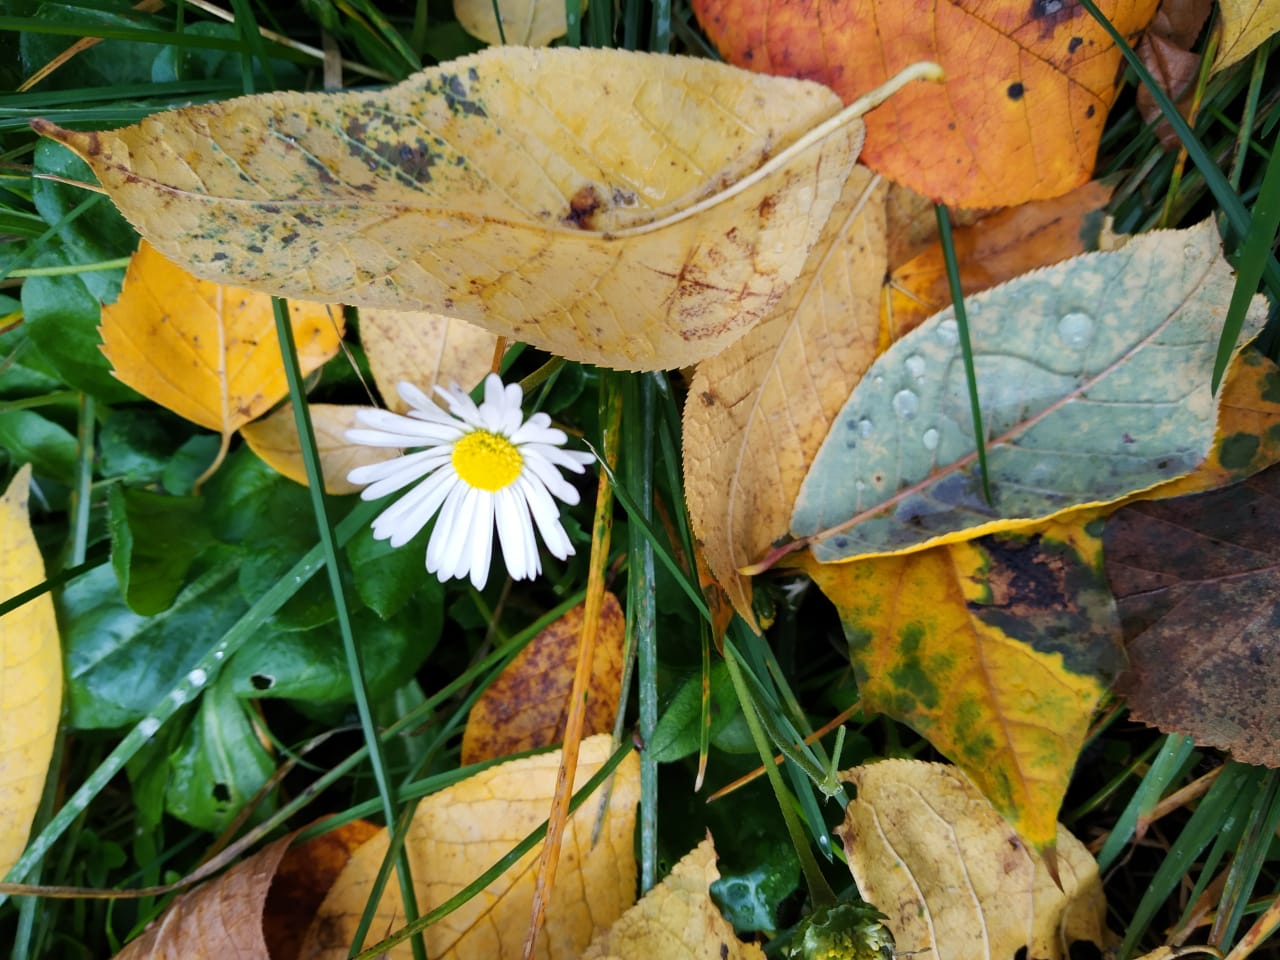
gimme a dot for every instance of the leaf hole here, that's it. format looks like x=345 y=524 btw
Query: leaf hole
x=261 y=681
x=221 y=793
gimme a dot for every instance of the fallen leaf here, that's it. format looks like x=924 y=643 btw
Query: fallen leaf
x=952 y=877
x=628 y=209
x=1093 y=379
x=1174 y=66
x=1019 y=116
x=220 y=918
x=525 y=23
x=758 y=412
x=992 y=250
x=207 y=352
x=526 y=706
x=424 y=349
x=996 y=650
x=460 y=831
x=676 y=920
x=301 y=882
x=1205 y=567
x=275 y=440
x=1244 y=25
x=31 y=686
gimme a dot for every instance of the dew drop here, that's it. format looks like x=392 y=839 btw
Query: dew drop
x=859 y=486
x=148 y=726
x=217 y=654
x=878 y=378
x=178 y=695
x=865 y=427
x=197 y=677
x=948 y=332
x=1076 y=329
x=930 y=439
x=915 y=366
x=905 y=404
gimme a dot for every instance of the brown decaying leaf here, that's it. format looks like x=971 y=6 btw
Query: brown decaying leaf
x=301 y=882
x=207 y=352
x=953 y=878
x=423 y=349
x=1166 y=51
x=676 y=920
x=611 y=207
x=462 y=830
x=992 y=250
x=526 y=706
x=275 y=440
x=1019 y=117
x=1197 y=579
x=219 y=919
x=758 y=412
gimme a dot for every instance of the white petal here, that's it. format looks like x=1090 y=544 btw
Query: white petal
x=454 y=555
x=549 y=477
x=546 y=516
x=462 y=406
x=422 y=405
x=574 y=460
x=481 y=539
x=402 y=521
x=534 y=431
x=387 y=476
x=443 y=531
x=512 y=517
x=395 y=425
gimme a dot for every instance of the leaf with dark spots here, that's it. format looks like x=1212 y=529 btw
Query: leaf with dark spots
x=1197 y=579
x=559 y=197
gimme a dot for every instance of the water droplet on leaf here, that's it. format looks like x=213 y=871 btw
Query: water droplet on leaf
x=905 y=404
x=865 y=427
x=949 y=332
x=930 y=439
x=915 y=366
x=1076 y=329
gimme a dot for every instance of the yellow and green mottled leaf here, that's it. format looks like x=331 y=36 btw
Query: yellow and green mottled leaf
x=1093 y=378
x=996 y=650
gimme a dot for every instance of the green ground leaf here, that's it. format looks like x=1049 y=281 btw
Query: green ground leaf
x=387 y=577
x=1093 y=377
x=154 y=541
x=48 y=447
x=677 y=733
x=119 y=664
x=100 y=233
x=219 y=765
x=137 y=445
x=310 y=665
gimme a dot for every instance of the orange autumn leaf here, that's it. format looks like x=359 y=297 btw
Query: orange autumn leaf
x=526 y=706
x=1021 y=112
x=424 y=349
x=207 y=352
x=996 y=248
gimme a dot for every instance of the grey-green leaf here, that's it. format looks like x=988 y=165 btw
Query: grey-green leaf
x=1093 y=377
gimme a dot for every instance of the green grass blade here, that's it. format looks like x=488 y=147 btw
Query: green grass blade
x=328 y=544
x=1164 y=770
x=966 y=345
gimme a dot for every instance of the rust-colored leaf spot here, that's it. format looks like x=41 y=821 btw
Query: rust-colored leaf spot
x=1019 y=116
x=1197 y=579
x=526 y=706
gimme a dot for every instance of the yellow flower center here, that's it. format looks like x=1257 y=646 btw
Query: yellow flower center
x=487 y=461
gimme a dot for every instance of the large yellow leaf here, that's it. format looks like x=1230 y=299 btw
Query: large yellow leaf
x=459 y=832
x=207 y=352
x=676 y=920
x=759 y=411
x=275 y=440
x=954 y=881
x=30 y=675
x=629 y=209
x=424 y=349
x=997 y=650
x=1244 y=25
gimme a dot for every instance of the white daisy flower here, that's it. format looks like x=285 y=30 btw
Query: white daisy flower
x=479 y=466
